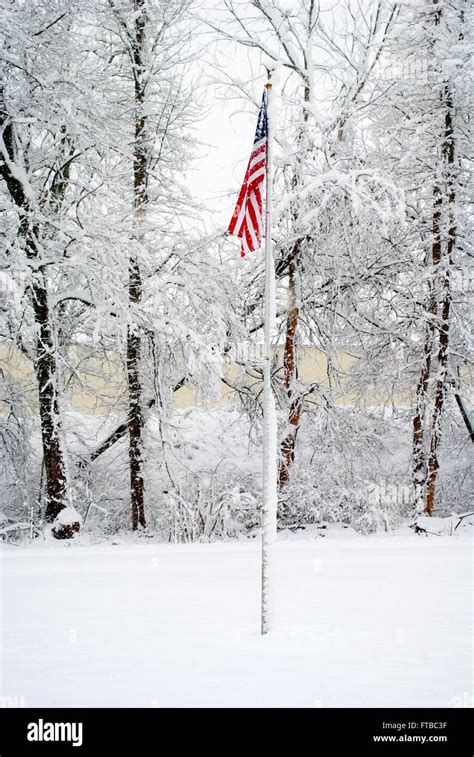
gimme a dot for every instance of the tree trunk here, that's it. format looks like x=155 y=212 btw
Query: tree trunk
x=135 y=429
x=442 y=382
x=290 y=365
x=465 y=416
x=46 y=377
x=45 y=359
x=419 y=418
x=134 y=339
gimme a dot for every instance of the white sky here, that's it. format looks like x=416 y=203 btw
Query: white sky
x=226 y=131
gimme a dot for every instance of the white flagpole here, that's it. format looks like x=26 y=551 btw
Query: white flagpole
x=270 y=496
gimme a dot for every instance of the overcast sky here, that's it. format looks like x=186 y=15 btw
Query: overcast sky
x=226 y=135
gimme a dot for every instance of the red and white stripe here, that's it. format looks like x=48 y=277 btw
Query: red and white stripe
x=247 y=218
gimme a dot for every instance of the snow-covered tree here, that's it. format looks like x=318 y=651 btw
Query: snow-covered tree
x=45 y=129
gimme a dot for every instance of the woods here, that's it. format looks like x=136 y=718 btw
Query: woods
x=130 y=327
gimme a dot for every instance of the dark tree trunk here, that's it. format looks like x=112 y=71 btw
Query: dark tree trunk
x=290 y=365
x=135 y=429
x=45 y=356
x=442 y=382
x=46 y=376
x=419 y=418
x=134 y=339
x=465 y=416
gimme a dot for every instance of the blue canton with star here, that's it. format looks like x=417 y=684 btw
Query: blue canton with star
x=261 y=130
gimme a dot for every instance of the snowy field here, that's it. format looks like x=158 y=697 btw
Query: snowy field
x=380 y=621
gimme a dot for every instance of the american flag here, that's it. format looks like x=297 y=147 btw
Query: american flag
x=246 y=220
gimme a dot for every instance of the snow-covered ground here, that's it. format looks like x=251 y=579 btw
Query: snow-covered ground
x=361 y=621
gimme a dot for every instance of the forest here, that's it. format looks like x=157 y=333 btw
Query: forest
x=131 y=378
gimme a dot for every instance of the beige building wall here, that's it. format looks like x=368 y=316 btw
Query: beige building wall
x=97 y=384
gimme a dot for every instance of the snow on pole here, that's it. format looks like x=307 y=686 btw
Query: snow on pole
x=270 y=496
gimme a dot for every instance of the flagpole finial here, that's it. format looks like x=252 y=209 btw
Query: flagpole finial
x=269 y=71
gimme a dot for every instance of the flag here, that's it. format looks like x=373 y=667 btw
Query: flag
x=247 y=218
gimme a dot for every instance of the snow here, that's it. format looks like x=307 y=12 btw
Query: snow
x=364 y=621
x=68 y=516
x=443 y=526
